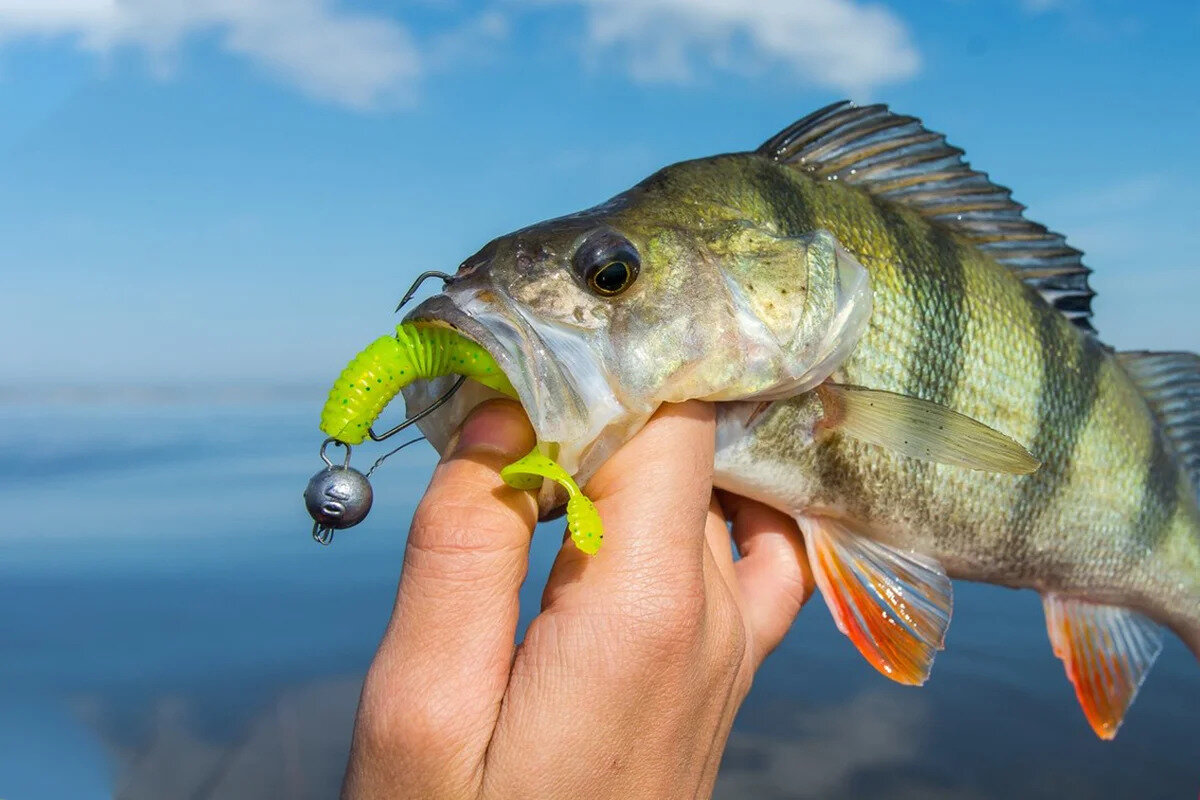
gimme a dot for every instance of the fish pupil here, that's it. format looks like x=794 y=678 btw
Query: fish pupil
x=611 y=278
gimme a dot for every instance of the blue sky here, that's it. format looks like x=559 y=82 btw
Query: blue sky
x=239 y=190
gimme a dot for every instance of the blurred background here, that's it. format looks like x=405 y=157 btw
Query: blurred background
x=206 y=207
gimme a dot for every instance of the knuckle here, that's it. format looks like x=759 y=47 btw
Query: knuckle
x=463 y=518
x=377 y=726
x=458 y=574
x=462 y=542
x=668 y=623
x=412 y=724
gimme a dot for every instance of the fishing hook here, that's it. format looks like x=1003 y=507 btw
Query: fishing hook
x=388 y=455
x=424 y=276
x=434 y=406
x=412 y=290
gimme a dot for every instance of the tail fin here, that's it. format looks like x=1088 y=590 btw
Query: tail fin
x=1170 y=382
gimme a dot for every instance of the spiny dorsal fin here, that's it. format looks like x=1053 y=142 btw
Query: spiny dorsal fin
x=1170 y=382
x=897 y=158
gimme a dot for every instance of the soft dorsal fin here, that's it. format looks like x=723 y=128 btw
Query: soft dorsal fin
x=895 y=157
x=1170 y=382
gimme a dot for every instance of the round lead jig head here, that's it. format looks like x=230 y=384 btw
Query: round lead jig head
x=337 y=497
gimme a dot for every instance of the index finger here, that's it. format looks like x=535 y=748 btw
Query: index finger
x=467 y=554
x=653 y=493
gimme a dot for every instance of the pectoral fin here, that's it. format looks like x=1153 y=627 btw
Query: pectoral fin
x=1107 y=651
x=921 y=429
x=895 y=606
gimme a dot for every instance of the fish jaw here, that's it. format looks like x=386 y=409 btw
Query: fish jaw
x=557 y=373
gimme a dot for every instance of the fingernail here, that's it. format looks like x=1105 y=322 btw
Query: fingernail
x=497 y=426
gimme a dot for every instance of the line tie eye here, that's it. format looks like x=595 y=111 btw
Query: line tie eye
x=607 y=262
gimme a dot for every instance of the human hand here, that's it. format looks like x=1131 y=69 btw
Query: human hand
x=627 y=683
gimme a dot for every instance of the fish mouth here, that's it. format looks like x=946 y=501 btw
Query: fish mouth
x=557 y=380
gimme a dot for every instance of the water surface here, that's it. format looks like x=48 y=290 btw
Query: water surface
x=169 y=630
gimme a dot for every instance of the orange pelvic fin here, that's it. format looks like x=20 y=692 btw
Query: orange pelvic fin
x=895 y=606
x=1107 y=651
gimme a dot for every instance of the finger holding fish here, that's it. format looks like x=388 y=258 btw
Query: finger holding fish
x=772 y=575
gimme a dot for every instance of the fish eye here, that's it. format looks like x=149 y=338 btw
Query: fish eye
x=608 y=262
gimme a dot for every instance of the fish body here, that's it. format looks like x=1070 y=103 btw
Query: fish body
x=1109 y=515
x=857 y=300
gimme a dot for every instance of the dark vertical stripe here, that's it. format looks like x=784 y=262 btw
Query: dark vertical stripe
x=1069 y=387
x=781 y=191
x=936 y=270
x=930 y=267
x=1160 y=495
x=934 y=281
x=931 y=286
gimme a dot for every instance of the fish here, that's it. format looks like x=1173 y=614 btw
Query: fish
x=899 y=359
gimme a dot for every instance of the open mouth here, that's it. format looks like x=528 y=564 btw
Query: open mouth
x=439 y=424
x=513 y=352
x=556 y=372
x=457 y=350
x=445 y=372
x=554 y=376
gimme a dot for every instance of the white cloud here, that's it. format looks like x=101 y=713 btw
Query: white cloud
x=362 y=60
x=840 y=44
x=355 y=59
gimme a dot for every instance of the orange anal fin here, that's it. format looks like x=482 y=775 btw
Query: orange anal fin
x=1107 y=651
x=895 y=606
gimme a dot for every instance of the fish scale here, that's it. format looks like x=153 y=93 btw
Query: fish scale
x=1108 y=516
x=962 y=514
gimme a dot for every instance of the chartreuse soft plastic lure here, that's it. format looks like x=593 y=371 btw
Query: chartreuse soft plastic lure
x=422 y=351
x=378 y=373
x=583 y=521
